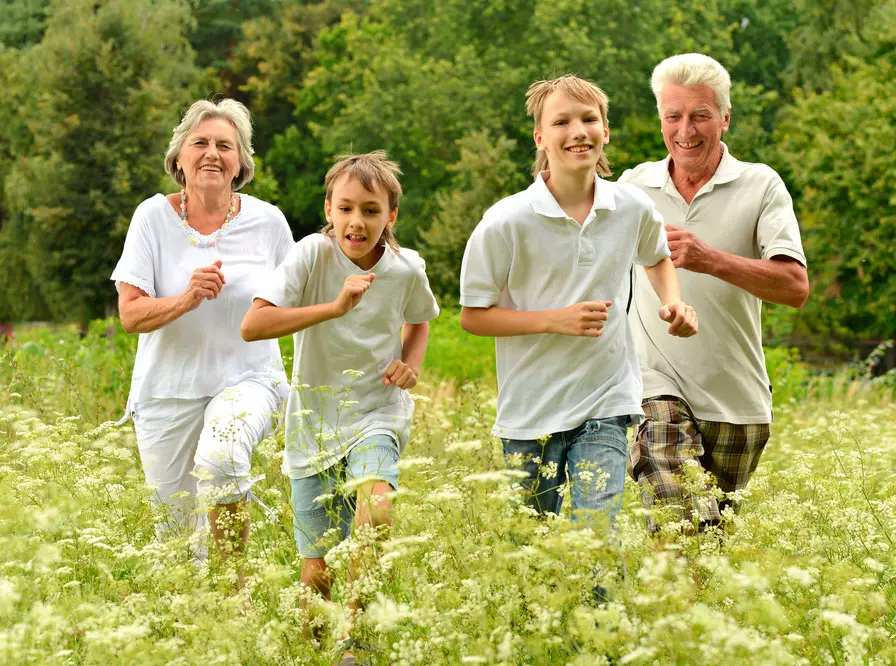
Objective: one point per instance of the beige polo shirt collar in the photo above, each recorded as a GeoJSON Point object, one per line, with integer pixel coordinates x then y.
{"type": "Point", "coordinates": [544, 203]}
{"type": "Point", "coordinates": [730, 168]}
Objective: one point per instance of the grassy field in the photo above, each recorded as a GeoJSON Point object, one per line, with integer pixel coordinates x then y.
{"type": "Point", "coordinates": [804, 574]}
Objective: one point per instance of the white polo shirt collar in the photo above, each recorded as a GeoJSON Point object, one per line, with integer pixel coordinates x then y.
{"type": "Point", "coordinates": [544, 203]}
{"type": "Point", "coordinates": [730, 168]}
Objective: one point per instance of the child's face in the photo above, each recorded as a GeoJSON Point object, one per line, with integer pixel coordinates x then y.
{"type": "Point", "coordinates": [572, 133]}
{"type": "Point", "coordinates": [359, 217]}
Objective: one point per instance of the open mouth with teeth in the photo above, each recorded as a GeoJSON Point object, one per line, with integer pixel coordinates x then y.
{"type": "Point", "coordinates": [211, 167]}
{"type": "Point", "coordinates": [688, 145]}
{"type": "Point", "coordinates": [356, 240]}
{"type": "Point", "coordinates": [578, 149]}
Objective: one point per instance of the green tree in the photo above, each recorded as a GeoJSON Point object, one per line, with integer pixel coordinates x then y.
{"type": "Point", "coordinates": [838, 147]}
{"type": "Point", "coordinates": [484, 174]}
{"type": "Point", "coordinates": [22, 22]}
{"type": "Point", "coordinates": [107, 84]}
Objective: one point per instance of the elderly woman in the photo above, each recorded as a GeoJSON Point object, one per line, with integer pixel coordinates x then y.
{"type": "Point", "coordinates": [202, 398]}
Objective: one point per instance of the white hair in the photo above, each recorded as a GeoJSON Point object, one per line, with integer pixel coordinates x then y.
{"type": "Point", "coordinates": [228, 109]}
{"type": "Point", "coordinates": [691, 70]}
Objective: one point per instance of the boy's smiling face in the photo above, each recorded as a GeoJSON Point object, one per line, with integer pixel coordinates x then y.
{"type": "Point", "coordinates": [571, 132]}
{"type": "Point", "coordinates": [359, 217]}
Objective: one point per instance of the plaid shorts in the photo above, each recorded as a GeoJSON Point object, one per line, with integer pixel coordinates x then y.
{"type": "Point", "coordinates": [671, 436]}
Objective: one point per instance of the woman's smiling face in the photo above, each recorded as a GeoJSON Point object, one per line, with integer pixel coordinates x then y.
{"type": "Point", "coordinates": [210, 155]}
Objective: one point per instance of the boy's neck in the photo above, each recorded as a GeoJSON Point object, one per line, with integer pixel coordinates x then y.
{"type": "Point", "coordinates": [574, 191]}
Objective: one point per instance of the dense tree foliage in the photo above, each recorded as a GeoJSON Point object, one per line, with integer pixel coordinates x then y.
{"type": "Point", "coordinates": [93, 90]}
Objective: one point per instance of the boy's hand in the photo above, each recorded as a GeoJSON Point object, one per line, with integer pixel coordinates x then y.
{"type": "Point", "coordinates": [586, 318]}
{"type": "Point", "coordinates": [681, 317]}
{"type": "Point", "coordinates": [352, 291]}
{"type": "Point", "coordinates": [400, 374]}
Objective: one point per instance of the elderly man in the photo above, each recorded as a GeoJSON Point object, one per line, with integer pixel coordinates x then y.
{"type": "Point", "coordinates": [732, 230]}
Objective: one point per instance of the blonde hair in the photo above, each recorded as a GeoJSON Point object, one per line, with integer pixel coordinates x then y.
{"type": "Point", "coordinates": [579, 89]}
{"type": "Point", "coordinates": [691, 70]}
{"type": "Point", "coordinates": [373, 170]}
{"type": "Point", "coordinates": [228, 109]}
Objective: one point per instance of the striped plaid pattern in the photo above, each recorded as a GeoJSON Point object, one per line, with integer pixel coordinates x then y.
{"type": "Point", "coordinates": [671, 435]}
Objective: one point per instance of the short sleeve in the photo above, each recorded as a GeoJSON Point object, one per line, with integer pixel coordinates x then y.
{"type": "Point", "coordinates": [777, 231]}
{"type": "Point", "coordinates": [283, 241]}
{"type": "Point", "coordinates": [421, 305]}
{"type": "Point", "coordinates": [485, 267]}
{"type": "Point", "coordinates": [135, 266]}
{"type": "Point", "coordinates": [652, 244]}
{"type": "Point", "coordinates": [287, 284]}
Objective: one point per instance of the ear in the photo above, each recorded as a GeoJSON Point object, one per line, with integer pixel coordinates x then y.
{"type": "Point", "coordinates": [327, 207]}
{"type": "Point", "coordinates": [726, 121]}
{"type": "Point", "coordinates": [539, 139]}
{"type": "Point", "coordinates": [606, 134]}
{"type": "Point", "coordinates": [392, 216]}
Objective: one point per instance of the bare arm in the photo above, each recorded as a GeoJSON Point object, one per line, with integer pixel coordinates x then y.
{"type": "Point", "coordinates": [404, 373]}
{"type": "Point", "coordinates": [681, 316]}
{"type": "Point", "coordinates": [585, 318]}
{"type": "Point", "coordinates": [141, 313]}
{"type": "Point", "coordinates": [265, 320]}
{"type": "Point", "coordinates": [781, 279]}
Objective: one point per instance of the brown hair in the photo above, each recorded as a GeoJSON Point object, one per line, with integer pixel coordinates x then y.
{"type": "Point", "coordinates": [374, 170]}
{"type": "Point", "coordinates": [579, 89]}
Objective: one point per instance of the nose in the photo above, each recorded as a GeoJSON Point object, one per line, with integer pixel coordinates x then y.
{"type": "Point", "coordinates": [578, 128]}
{"type": "Point", "coordinates": [686, 127]}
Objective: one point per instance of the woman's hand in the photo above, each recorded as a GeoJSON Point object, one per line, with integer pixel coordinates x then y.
{"type": "Point", "coordinates": [353, 289]}
{"type": "Point", "coordinates": [205, 284]}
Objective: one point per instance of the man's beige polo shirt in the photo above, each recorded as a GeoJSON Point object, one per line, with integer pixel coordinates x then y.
{"type": "Point", "coordinates": [744, 209]}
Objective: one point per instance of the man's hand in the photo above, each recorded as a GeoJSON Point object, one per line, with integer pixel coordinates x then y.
{"type": "Point", "coordinates": [586, 318]}
{"type": "Point", "coordinates": [688, 251]}
{"type": "Point", "coordinates": [205, 283]}
{"type": "Point", "coordinates": [400, 374]}
{"type": "Point", "coordinates": [352, 290]}
{"type": "Point", "coordinates": [681, 317]}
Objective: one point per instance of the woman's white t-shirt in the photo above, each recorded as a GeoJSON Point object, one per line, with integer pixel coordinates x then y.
{"type": "Point", "coordinates": [201, 353]}
{"type": "Point", "coordinates": [337, 397]}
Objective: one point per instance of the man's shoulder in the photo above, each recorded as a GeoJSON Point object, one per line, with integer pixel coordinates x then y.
{"type": "Point", "coordinates": [628, 192]}
{"type": "Point", "coordinates": [640, 174]}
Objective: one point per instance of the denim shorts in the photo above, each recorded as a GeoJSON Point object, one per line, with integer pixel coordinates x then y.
{"type": "Point", "coordinates": [318, 506]}
{"type": "Point", "coordinates": [591, 458]}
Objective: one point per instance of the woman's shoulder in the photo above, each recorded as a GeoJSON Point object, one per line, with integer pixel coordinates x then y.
{"type": "Point", "coordinates": [151, 212]}
{"type": "Point", "coordinates": [261, 208]}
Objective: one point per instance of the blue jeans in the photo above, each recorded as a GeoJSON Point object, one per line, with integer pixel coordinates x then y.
{"type": "Point", "coordinates": [317, 503]}
{"type": "Point", "coordinates": [592, 457]}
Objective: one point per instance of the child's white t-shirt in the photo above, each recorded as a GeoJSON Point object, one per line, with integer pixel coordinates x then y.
{"type": "Point", "coordinates": [201, 353]}
{"type": "Point", "coordinates": [338, 398]}
{"type": "Point", "coordinates": [527, 254]}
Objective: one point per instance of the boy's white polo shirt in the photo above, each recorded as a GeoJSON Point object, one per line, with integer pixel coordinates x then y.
{"type": "Point", "coordinates": [744, 209]}
{"type": "Point", "coordinates": [338, 398]}
{"type": "Point", "coordinates": [527, 254]}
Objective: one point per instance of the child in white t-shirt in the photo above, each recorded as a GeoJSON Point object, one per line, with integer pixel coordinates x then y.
{"type": "Point", "coordinates": [359, 308]}
{"type": "Point", "coordinates": [546, 272]}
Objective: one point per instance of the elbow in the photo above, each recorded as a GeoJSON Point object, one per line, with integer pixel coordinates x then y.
{"type": "Point", "coordinates": [800, 292]}
{"type": "Point", "coordinates": [247, 332]}
{"type": "Point", "coordinates": [127, 323]}
{"type": "Point", "coordinates": [468, 321]}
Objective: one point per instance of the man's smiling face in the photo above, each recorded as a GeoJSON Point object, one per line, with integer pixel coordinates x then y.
{"type": "Point", "coordinates": [692, 127]}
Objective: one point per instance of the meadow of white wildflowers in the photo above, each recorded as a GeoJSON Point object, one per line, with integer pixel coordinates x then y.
{"type": "Point", "coordinates": [804, 574]}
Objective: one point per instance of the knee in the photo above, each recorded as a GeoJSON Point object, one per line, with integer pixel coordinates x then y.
{"type": "Point", "coordinates": [373, 506]}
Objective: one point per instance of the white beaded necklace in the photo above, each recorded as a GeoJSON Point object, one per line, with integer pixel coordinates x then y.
{"type": "Point", "coordinates": [194, 236]}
